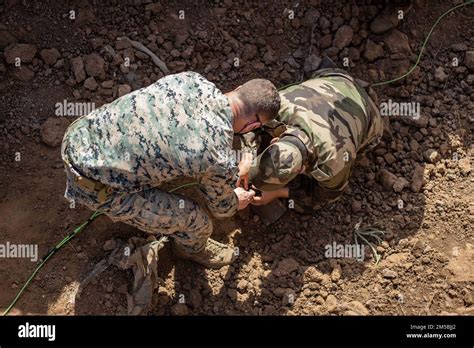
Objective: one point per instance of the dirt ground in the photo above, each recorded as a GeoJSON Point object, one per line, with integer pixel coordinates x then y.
{"type": "Point", "coordinates": [427, 252]}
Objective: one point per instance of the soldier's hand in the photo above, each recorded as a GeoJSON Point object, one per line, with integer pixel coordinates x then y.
{"type": "Point", "coordinates": [244, 197]}
{"type": "Point", "coordinates": [244, 169]}
{"type": "Point", "coordinates": [265, 198]}
{"type": "Point", "coordinates": [268, 196]}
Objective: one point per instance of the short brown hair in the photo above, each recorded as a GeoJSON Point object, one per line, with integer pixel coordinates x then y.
{"type": "Point", "coordinates": [261, 97]}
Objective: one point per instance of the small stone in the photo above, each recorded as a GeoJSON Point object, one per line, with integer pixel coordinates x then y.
{"type": "Point", "coordinates": [250, 51]}
{"type": "Point", "coordinates": [94, 65]}
{"type": "Point", "coordinates": [325, 41]}
{"type": "Point", "coordinates": [90, 83]}
{"type": "Point", "coordinates": [180, 309]}
{"type": "Point", "coordinates": [356, 205]}
{"type": "Point", "coordinates": [389, 158]}
{"type": "Point", "coordinates": [331, 303]}
{"type": "Point", "coordinates": [440, 75]}
{"type": "Point", "coordinates": [77, 65]}
{"type": "Point", "coordinates": [154, 8]}
{"type": "Point", "coordinates": [107, 84]}
{"type": "Point", "coordinates": [311, 63]}
{"type": "Point", "coordinates": [123, 89]}
{"type": "Point", "coordinates": [180, 39]}
{"type": "Point", "coordinates": [356, 308]}
{"type": "Point", "coordinates": [50, 55]}
{"type": "Point", "coordinates": [52, 130]}
{"type": "Point", "coordinates": [400, 184]}
{"type": "Point", "coordinates": [465, 166]}
{"type": "Point", "coordinates": [388, 273]}
{"type": "Point", "coordinates": [469, 60]}
{"type": "Point", "coordinates": [383, 23]}
{"type": "Point", "coordinates": [417, 179]}
{"type": "Point", "coordinates": [343, 37]}
{"type": "Point", "coordinates": [431, 156]}
{"type": "Point", "coordinates": [397, 42]}
{"type": "Point", "coordinates": [25, 52]}
{"type": "Point", "coordinates": [24, 74]}
{"type": "Point", "coordinates": [387, 179]}
{"type": "Point", "coordinates": [285, 267]}
{"type": "Point", "coordinates": [372, 51]}
{"type": "Point", "coordinates": [109, 245]}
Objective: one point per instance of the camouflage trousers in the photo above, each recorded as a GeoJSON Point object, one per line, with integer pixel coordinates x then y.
{"type": "Point", "coordinates": [151, 210]}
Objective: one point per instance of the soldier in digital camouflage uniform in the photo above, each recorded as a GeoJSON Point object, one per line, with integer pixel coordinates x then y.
{"type": "Point", "coordinates": [182, 126]}
{"type": "Point", "coordinates": [329, 120]}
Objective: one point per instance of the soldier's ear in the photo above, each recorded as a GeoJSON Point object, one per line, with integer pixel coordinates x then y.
{"type": "Point", "coordinates": [302, 170]}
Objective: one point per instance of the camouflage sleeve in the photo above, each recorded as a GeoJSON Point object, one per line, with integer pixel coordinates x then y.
{"type": "Point", "coordinates": [218, 187]}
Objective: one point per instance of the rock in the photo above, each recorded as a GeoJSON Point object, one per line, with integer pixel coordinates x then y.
{"type": "Point", "coordinates": [52, 130]}
{"type": "Point", "coordinates": [285, 76]}
{"type": "Point", "coordinates": [336, 271]}
{"type": "Point", "coordinates": [465, 166]}
{"type": "Point", "coordinates": [50, 55]}
{"type": "Point", "coordinates": [387, 179]}
{"type": "Point", "coordinates": [397, 42]}
{"type": "Point", "coordinates": [343, 37]}
{"type": "Point", "coordinates": [6, 38]}
{"type": "Point", "coordinates": [388, 273]}
{"type": "Point", "coordinates": [123, 89]}
{"type": "Point", "coordinates": [440, 75]}
{"type": "Point", "coordinates": [94, 65]}
{"type": "Point", "coordinates": [417, 181]}
{"type": "Point", "coordinates": [324, 23]}
{"type": "Point", "coordinates": [85, 15]}
{"type": "Point", "coordinates": [180, 309]}
{"type": "Point", "coordinates": [469, 60]}
{"type": "Point", "coordinates": [90, 83]}
{"type": "Point", "coordinates": [250, 51]}
{"type": "Point", "coordinates": [107, 84]}
{"type": "Point", "coordinates": [383, 23]}
{"type": "Point", "coordinates": [110, 245]}
{"type": "Point", "coordinates": [356, 308]}
{"type": "Point", "coordinates": [269, 57]}
{"type": "Point", "coordinates": [24, 74]}
{"type": "Point", "coordinates": [372, 51]}
{"type": "Point", "coordinates": [331, 303]}
{"type": "Point", "coordinates": [311, 63]}
{"type": "Point", "coordinates": [312, 274]}
{"type": "Point", "coordinates": [180, 39]}
{"type": "Point", "coordinates": [25, 52]}
{"type": "Point", "coordinates": [122, 44]}
{"type": "Point", "coordinates": [389, 158]}
{"type": "Point", "coordinates": [356, 205]}
{"type": "Point", "coordinates": [400, 184]}
{"type": "Point", "coordinates": [325, 41]}
{"type": "Point", "coordinates": [154, 8]}
{"type": "Point", "coordinates": [285, 267]}
{"type": "Point", "coordinates": [431, 156]}
{"type": "Point", "coordinates": [77, 65]}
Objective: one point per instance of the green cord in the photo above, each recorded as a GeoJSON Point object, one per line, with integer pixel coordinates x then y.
{"type": "Point", "coordinates": [424, 45]}
{"type": "Point", "coordinates": [58, 246]}
{"type": "Point", "coordinates": [50, 253]}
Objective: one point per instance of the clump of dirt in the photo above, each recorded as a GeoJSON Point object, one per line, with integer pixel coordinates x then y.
{"type": "Point", "coordinates": [417, 186]}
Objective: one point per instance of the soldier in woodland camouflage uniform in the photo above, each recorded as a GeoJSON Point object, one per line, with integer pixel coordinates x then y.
{"type": "Point", "coordinates": [329, 120]}
{"type": "Point", "coordinates": [118, 156]}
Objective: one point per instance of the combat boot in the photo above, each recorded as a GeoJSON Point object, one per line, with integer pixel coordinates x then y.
{"type": "Point", "coordinates": [214, 255]}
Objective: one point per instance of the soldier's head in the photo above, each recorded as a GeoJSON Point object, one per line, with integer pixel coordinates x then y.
{"type": "Point", "coordinates": [253, 104]}
{"type": "Point", "coordinates": [278, 164]}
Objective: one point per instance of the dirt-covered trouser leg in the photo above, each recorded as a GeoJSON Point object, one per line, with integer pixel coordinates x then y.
{"type": "Point", "coordinates": [152, 211]}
